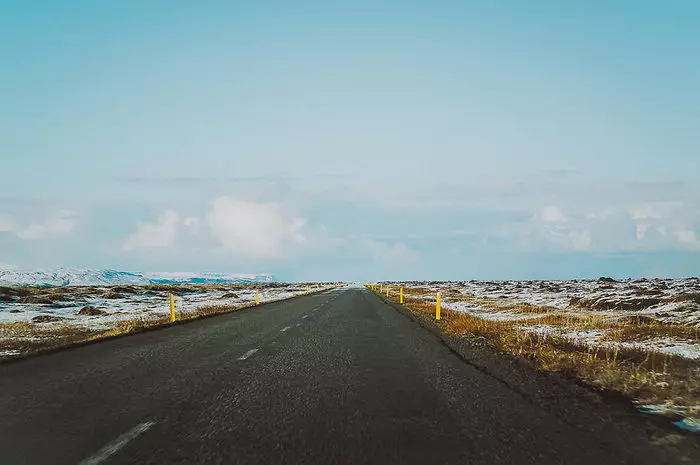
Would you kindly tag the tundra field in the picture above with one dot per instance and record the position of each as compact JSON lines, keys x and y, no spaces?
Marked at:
{"x":34,"y":318}
{"x":639,"y":337}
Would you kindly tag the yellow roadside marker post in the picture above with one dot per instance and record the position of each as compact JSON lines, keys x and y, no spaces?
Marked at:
{"x":257,"y":298}
{"x":437,"y":307}
{"x":172,"y":308}
{"x":387,"y":291}
{"x":401,"y":295}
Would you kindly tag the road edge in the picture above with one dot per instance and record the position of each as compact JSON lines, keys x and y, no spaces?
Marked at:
{"x":148,"y":329}
{"x":617,"y":421}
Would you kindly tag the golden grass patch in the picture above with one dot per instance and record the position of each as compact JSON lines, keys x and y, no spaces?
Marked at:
{"x":647,"y":376}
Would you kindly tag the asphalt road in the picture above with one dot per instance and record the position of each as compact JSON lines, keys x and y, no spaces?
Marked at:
{"x":336,"y":377}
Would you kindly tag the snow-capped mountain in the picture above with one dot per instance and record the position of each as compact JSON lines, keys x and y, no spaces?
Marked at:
{"x":76,"y":277}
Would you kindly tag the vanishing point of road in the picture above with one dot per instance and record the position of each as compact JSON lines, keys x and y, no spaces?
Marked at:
{"x":334,"y":377}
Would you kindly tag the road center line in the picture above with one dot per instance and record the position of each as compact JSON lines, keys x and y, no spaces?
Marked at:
{"x":285,"y":329}
{"x":305,"y":316}
{"x":247,"y":354}
{"x":114,"y":446}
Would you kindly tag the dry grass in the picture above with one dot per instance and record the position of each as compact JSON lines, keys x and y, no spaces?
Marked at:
{"x":26,"y":338}
{"x":633,"y":329}
{"x":647,"y":376}
{"x":212,"y":310}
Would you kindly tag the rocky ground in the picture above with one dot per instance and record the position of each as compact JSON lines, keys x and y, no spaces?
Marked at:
{"x":33,"y":317}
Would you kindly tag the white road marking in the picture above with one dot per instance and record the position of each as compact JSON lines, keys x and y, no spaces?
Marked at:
{"x":305,"y":316}
{"x":114,"y":446}
{"x":285,"y":329}
{"x":247,"y":354}
{"x":297,"y":325}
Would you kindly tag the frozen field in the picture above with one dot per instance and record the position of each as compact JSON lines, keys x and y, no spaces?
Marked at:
{"x":668,"y":308}
{"x":32,"y":316}
{"x":640,"y":337}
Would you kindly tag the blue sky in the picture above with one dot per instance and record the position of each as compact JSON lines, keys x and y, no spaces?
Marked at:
{"x":354,"y":140}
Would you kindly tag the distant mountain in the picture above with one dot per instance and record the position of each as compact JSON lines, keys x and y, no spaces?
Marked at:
{"x":75,"y":277}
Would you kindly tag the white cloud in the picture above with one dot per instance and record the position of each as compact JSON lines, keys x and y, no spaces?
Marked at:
{"x":581,"y":241}
{"x":614,"y":226}
{"x":654,"y":210}
{"x":192,"y":222}
{"x":61,"y":222}
{"x":685,"y":236}
{"x":552,"y":214}
{"x":397,"y":253}
{"x":688,"y":238}
{"x":255,"y":230}
{"x":159,"y":234}
{"x":602,"y":215}
{"x":642,"y":230}
{"x":6,"y":223}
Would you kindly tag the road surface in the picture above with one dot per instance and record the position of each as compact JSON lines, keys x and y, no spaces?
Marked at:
{"x":336,"y":377}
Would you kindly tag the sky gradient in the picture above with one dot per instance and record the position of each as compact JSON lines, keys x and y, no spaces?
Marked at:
{"x":355,"y":140}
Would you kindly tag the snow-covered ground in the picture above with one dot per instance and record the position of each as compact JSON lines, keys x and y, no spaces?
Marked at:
{"x":34,"y":314}
{"x":670,"y":301}
{"x":655,"y":316}
{"x":148,"y":304}
{"x":595,"y":337}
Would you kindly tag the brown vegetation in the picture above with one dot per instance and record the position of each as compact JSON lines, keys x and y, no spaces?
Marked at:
{"x":46,"y":332}
{"x":648,"y":377}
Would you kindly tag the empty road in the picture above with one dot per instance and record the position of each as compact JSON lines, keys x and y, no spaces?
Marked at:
{"x":335,"y":377}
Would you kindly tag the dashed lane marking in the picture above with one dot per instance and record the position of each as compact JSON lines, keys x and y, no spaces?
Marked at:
{"x":119,"y":443}
{"x":247,"y":354}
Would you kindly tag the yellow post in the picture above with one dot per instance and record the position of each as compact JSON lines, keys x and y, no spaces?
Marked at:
{"x":437,"y":307}
{"x":257,"y":298}
{"x":172,"y":308}
{"x":387,"y":291}
{"x":401,"y":295}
